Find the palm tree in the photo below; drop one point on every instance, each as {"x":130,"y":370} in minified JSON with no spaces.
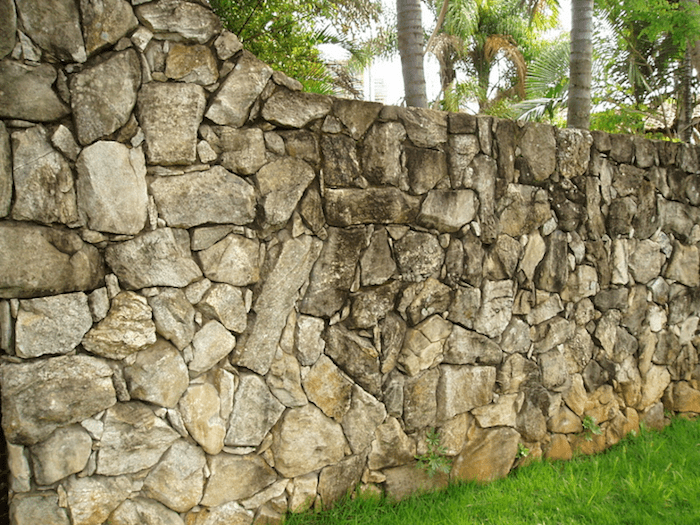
{"x":579,"y":112}
{"x":410,"y":41}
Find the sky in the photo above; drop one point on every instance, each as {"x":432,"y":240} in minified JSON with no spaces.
{"x":387,"y":75}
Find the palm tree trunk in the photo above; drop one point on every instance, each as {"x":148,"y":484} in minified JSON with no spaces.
{"x":685,"y":99}
{"x":579,"y":111}
{"x":410,"y":35}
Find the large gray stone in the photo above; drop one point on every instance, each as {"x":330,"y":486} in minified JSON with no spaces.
{"x":426,"y":168}
{"x":235,"y":260}
{"x":423,"y":345}
{"x":489,"y":455}
{"x":41,"y":507}
{"x":252,"y":397}
{"x":51,"y":325}
{"x":523,"y":209}
{"x":294,"y":109}
{"x":127,"y":328}
{"x":573,"y":151}
{"x":239,"y":91}
{"x":103,"y":96}
{"x":201,"y":411}
{"x":553,"y":272}
{"x":350,"y":206}
{"x":212,"y":196}
{"x":53,"y":261}
{"x":341,"y":165}
{"x":170,"y":114}
{"x":44,"y":187}
{"x":333,"y":272}
{"x":425,"y":128}
{"x":356,"y":356}
{"x":105,"y":22}
{"x":462,"y":388}
{"x":288,"y":274}
{"x":496,"y":308}
{"x":210,"y":345}
{"x":418,"y":255}
{"x":114,"y":204}
{"x":54,"y":26}
{"x":134,"y":439}
{"x":230,"y":513}
{"x":538,"y":145}
{"x":8,"y":27}
{"x":143,"y":511}
{"x":381,"y":156}
{"x":226,"y":304}
{"x":448,"y":210}
{"x":338,"y":481}
{"x":464,"y":347}
{"x":91,"y":500}
{"x":26,"y":93}
{"x":65,"y":452}
{"x":178,"y":480}
{"x":391,"y":446}
{"x":420,"y":401}
{"x":363,"y":417}
{"x":376,"y":263}
{"x":173,"y":315}
{"x":281,"y":184}
{"x":193,"y":64}
{"x":156,"y":258}
{"x":243,"y":150}
{"x":180,"y":19}
{"x":235,"y":478}
{"x":328,"y":388}
{"x":5,"y":171}
{"x":158,"y":375}
{"x":40,"y":396}
{"x":305,"y":440}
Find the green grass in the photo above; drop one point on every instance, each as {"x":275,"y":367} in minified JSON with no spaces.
{"x":651,"y":478}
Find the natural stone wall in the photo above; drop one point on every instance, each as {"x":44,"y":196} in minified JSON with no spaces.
{"x":223,"y":298}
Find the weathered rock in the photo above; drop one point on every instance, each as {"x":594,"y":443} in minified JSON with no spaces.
{"x":496,"y":308}
{"x":103,"y":96}
{"x":333,"y":272}
{"x":91,"y":500}
{"x":356,"y":356}
{"x":381,"y":157}
{"x":200,"y":407}
{"x":684,"y":265}
{"x":357,"y":115}
{"x":391,"y":446}
{"x":448,"y":210}
{"x":683,"y":398}
{"x":235,"y":260}
{"x":426,"y":167}
{"x":538,"y":145}
{"x":65,"y":452}
{"x":105,"y":22}
{"x":40,"y":396}
{"x":402,"y":482}
{"x":573,"y":151}
{"x":173,"y":316}
{"x":337,"y":481}
{"x":5,"y":171}
{"x":210,"y":345}
{"x":462,"y":388}
{"x":170,"y":114}
{"x":463,"y":149}
{"x":464,"y":347}
{"x":546,"y":307}
{"x":230,"y":513}
{"x":112,"y":204}
{"x":376,"y":263}
{"x":41,"y":507}
{"x":252,"y":397}
{"x":554,"y":369}
{"x":156,"y":258}
{"x":423,"y":345}
{"x":420,"y":400}
{"x":158,"y":374}
{"x":559,"y":448}
{"x":184,"y":20}
{"x":502,"y":413}
{"x":281,"y":184}
{"x":193,"y":64}
{"x":44,"y":188}
{"x":362,"y":419}
{"x":140,"y":510}
{"x":302,"y":492}
{"x":465,"y":305}
{"x":284,"y":380}
{"x":309,"y":343}
{"x":51,"y":325}
{"x":288,"y":274}
{"x":8,"y":27}
{"x":305,"y":440}
{"x":349,"y":206}
{"x":241,"y":88}
{"x":178,"y":480}
{"x":243,"y":150}
{"x":341,"y":165}
{"x":426,"y":129}
{"x":523,"y":209}
{"x":225,"y":304}
{"x":292,"y":109}
{"x":328,"y":388}
{"x":127,"y":328}
{"x":502,"y":259}
{"x":426,"y":298}
{"x":582,"y":283}
{"x":26,"y":93}
{"x":553,"y":272}
{"x":418,"y":255}
{"x":55,"y":27}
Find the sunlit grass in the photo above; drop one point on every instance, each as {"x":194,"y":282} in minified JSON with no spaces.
{"x":651,"y":478}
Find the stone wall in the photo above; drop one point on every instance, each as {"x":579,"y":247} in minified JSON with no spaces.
{"x":223,"y":298}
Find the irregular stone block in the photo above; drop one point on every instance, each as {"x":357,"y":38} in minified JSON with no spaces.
{"x":349,"y":206}
{"x":381,"y":155}
{"x":368,"y":307}
{"x":44,"y":188}
{"x":462,"y":388}
{"x":134,"y":439}
{"x":200,"y":407}
{"x":362,"y":419}
{"x":309,"y":343}
{"x":140,"y":510}
{"x":420,"y":400}
{"x":337,"y":481}
{"x":252,"y":397}
{"x":328,"y":388}
{"x":425,"y":128}
{"x":239,"y":91}
{"x":464,"y":347}
{"x":294,"y":109}
{"x":193,"y":64}
{"x":496,"y":308}
{"x":684,"y":265}
{"x":156,"y":258}
{"x":553,"y":272}
{"x":423,"y":345}
{"x":539,"y":145}
{"x":226,"y":304}
{"x":418,"y":255}
{"x":26,"y":93}
{"x":158,"y":375}
{"x":91,"y":500}
{"x":489,"y":455}
{"x":210,"y":345}
{"x":236,"y":477}
{"x":357,"y":116}
{"x":5,"y":171}
{"x":356,"y":356}
{"x":235,"y":260}
{"x":243,"y":150}
{"x":8,"y":27}
{"x":448,"y":210}
{"x":65,"y":452}
{"x":502,"y":413}
{"x":406,"y":480}
{"x":54,"y":26}
{"x":173,"y":316}
{"x":112,"y":204}
{"x":281,"y":184}
{"x":178,"y":480}
{"x":170,"y":114}
{"x":41,"y":507}
{"x":333,"y":272}
{"x":341,"y":165}
{"x":573,"y":151}
{"x":190,"y":22}
{"x":305,"y":440}
{"x":523,"y":209}
{"x":230,"y":513}
{"x":284,"y":380}
{"x":290,"y":271}
{"x":106,"y":22}
{"x":40,"y":396}
{"x":103,"y":96}
{"x":426,"y":168}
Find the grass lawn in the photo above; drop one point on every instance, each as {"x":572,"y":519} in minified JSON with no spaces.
{"x":650,"y":478}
